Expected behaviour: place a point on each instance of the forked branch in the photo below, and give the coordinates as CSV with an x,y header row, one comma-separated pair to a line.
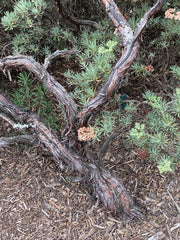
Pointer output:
x,y
131,45
108,188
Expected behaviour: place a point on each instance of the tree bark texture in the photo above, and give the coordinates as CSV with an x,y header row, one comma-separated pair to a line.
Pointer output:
x,y
107,187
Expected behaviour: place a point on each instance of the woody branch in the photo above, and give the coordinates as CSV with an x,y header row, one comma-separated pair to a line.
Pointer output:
x,y
109,189
131,44
45,78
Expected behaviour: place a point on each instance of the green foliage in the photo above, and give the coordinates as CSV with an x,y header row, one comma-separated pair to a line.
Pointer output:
x,y
95,59
176,103
161,39
138,69
165,164
97,55
25,14
175,70
113,118
159,132
104,124
31,31
33,97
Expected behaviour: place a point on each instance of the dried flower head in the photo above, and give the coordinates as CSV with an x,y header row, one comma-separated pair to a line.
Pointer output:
x,y
170,14
142,154
85,134
149,68
177,16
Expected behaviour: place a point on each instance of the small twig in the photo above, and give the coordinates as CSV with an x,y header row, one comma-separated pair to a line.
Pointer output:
x,y
169,232
177,225
57,54
95,206
105,145
157,236
84,22
177,206
9,75
45,213
7,141
6,118
17,126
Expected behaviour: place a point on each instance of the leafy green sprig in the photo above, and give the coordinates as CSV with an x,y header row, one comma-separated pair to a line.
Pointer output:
x,y
159,133
32,97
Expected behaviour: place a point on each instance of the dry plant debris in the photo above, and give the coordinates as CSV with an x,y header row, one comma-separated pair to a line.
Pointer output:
x,y
170,13
85,134
149,68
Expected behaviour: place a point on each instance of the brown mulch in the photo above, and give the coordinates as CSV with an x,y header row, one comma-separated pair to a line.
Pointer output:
x,y
40,201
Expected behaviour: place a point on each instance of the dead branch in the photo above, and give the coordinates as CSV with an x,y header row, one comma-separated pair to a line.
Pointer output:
x,y
65,12
119,21
10,141
19,127
157,236
83,22
58,54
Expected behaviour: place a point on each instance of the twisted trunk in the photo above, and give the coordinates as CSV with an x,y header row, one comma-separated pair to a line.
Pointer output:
x,y
107,187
